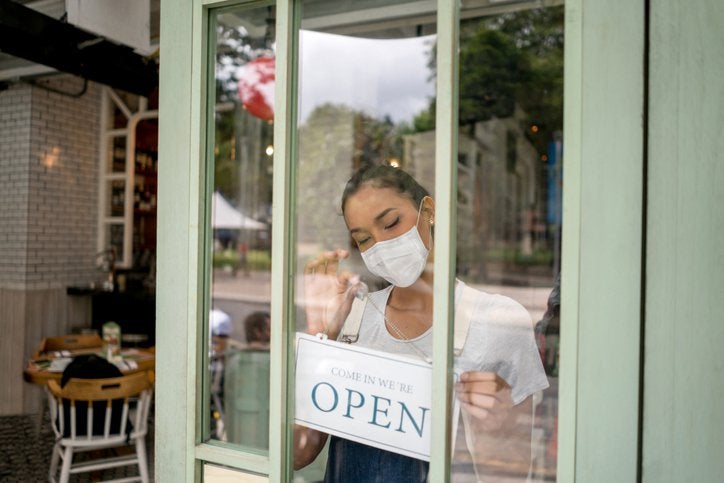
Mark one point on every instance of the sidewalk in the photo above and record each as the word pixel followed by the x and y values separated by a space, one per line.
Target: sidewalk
pixel 256 287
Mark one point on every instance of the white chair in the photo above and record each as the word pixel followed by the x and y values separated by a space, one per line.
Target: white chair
pixel 120 419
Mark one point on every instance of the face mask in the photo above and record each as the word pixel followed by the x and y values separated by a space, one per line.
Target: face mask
pixel 400 260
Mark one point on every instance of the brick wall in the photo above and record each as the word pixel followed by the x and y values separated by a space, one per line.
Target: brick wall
pixel 15 117
pixel 63 188
pixel 48 184
pixel 48 219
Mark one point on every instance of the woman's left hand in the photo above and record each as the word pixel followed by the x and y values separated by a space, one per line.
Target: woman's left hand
pixel 486 397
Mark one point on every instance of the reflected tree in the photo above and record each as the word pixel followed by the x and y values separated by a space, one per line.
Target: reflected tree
pixel 243 143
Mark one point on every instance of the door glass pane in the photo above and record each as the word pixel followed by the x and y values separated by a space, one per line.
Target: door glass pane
pixel 114 234
pixel 508 247
pixel 115 205
pixel 240 153
pixel 117 155
pixel 365 86
pixel 367 98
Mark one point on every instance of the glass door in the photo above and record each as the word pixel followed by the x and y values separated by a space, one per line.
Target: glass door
pixel 366 178
pixel 356 189
pixel 239 169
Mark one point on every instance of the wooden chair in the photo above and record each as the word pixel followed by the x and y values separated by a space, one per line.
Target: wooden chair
pixel 118 418
pixel 68 342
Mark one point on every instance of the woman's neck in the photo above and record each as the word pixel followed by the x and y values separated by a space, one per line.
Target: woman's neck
pixel 416 297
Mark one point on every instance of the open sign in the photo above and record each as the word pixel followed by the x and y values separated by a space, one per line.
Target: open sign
pixel 372 397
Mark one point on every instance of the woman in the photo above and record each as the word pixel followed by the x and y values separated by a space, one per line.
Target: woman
pixel 390 217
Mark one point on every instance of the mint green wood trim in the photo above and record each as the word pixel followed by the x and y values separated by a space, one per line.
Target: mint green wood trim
pixel 178 243
pixel 571 240
pixel 233 457
pixel 283 247
pixel 206 163
pixel 602 277
pixel 198 210
pixel 445 225
pixel 684 385
pixel 215 451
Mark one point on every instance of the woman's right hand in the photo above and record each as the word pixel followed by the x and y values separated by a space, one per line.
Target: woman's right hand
pixel 327 293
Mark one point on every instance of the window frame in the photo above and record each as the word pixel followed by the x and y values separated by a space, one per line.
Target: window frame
pixel 593 425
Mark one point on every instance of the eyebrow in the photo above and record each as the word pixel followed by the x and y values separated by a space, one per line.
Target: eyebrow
pixel 382 214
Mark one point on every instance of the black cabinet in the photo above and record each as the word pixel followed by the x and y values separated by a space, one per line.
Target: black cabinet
pixel 135 312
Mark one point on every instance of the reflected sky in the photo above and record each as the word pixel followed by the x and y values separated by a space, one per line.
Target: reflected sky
pixel 378 76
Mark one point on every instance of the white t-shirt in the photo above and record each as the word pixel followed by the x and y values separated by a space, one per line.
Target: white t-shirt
pixel 500 339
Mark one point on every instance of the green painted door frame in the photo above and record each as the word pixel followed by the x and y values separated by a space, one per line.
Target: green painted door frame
pixel 603 284
pixel 602 240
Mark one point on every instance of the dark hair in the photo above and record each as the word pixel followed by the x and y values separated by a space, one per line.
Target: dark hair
pixel 254 324
pixel 385 176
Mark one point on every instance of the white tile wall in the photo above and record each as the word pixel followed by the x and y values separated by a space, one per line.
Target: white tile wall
pixel 48 184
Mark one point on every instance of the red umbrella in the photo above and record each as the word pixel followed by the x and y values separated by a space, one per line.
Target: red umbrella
pixel 256 87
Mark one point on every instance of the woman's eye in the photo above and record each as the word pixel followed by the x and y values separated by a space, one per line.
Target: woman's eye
pixel 362 241
pixel 392 224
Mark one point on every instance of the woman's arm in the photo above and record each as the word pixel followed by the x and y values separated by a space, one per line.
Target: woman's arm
pixel 308 443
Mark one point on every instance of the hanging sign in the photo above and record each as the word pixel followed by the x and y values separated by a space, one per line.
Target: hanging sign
pixel 368 396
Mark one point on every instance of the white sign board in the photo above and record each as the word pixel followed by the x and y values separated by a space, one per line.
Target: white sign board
pixel 368 396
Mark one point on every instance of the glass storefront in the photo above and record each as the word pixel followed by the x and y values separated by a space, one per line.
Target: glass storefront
pixel 365 96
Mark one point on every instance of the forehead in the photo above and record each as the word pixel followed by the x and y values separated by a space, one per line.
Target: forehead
pixel 369 201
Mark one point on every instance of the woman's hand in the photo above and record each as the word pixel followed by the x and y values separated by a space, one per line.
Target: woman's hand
pixel 327 294
pixel 495 430
pixel 486 397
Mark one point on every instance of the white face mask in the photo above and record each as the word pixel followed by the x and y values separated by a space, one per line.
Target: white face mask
pixel 400 260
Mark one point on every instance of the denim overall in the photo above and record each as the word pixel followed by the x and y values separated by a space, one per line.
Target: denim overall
pixel 351 462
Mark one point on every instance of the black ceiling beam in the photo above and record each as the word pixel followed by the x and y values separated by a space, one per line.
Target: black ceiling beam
pixel 30 35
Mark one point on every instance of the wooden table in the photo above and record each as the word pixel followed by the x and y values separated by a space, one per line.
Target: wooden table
pixel 39 369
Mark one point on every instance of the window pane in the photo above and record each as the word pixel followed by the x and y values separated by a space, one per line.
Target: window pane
pixel 114 236
pixel 509 221
pixel 242 144
pixel 116 198
pixel 117 155
pixel 366 88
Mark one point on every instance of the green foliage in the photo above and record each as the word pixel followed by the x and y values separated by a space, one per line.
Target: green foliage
pixel 508 60
pixel 258 260
pixel 492 71
pixel 242 169
pixel 540 257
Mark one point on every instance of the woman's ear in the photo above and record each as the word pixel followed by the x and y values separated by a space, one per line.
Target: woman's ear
pixel 428 209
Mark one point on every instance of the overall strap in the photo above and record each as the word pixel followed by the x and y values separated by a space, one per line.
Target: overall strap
pixel 350 329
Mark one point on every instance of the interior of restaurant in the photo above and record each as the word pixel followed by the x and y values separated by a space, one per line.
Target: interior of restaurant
pixel 78 182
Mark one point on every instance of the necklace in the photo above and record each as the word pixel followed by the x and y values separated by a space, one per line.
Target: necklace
pixel 400 334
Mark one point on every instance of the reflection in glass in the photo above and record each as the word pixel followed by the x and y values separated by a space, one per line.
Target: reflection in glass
pixel 364 89
pixel 509 209
pixel 241 147
pixel 114 235
pixel 366 97
pixel 117 156
pixel 116 202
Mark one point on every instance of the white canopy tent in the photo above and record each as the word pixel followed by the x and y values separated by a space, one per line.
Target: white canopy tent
pixel 225 216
